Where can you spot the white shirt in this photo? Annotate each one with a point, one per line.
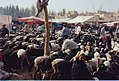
(77, 30)
(69, 44)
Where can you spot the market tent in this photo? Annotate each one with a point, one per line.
(115, 22)
(111, 23)
(7, 20)
(108, 24)
(31, 20)
(79, 19)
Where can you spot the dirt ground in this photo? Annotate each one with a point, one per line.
(21, 75)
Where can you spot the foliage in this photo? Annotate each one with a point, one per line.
(16, 11)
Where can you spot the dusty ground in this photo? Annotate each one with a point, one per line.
(21, 75)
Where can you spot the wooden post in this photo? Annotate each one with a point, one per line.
(47, 33)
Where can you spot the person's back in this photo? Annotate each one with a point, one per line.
(65, 32)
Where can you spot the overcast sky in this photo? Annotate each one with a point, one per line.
(79, 5)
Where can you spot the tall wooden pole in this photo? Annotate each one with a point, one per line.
(47, 33)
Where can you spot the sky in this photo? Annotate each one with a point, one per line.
(78, 5)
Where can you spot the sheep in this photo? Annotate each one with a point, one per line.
(56, 61)
(33, 51)
(21, 53)
(1, 65)
(55, 47)
(39, 65)
(61, 69)
(19, 56)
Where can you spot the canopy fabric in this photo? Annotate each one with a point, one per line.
(59, 20)
(108, 24)
(7, 20)
(111, 23)
(115, 22)
(79, 19)
(30, 20)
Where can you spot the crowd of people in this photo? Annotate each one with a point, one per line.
(86, 52)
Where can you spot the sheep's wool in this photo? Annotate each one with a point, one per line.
(39, 59)
(21, 53)
(56, 61)
(1, 65)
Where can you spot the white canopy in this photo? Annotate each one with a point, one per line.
(111, 23)
(58, 20)
(80, 19)
(108, 24)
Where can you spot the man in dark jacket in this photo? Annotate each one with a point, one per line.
(3, 31)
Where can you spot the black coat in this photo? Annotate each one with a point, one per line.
(3, 32)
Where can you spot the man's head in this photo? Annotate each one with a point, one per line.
(80, 56)
(65, 25)
(3, 25)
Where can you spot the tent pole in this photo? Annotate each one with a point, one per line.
(47, 33)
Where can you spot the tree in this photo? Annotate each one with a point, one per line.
(27, 12)
(6, 9)
(17, 11)
(21, 12)
(1, 10)
(33, 10)
(13, 11)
